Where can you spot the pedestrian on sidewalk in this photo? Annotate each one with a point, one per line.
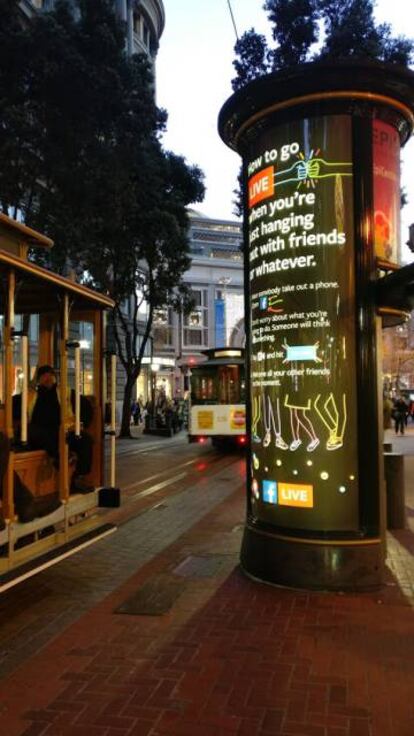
(136, 413)
(400, 414)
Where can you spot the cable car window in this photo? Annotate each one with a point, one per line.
(83, 333)
(33, 333)
(229, 384)
(204, 387)
(17, 362)
(28, 324)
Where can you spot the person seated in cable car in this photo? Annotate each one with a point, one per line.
(44, 423)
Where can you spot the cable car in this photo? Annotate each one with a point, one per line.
(217, 398)
(49, 320)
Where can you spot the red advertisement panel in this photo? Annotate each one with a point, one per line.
(386, 159)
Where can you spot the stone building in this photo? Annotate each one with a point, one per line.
(144, 21)
(216, 280)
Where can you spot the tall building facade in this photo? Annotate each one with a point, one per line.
(144, 22)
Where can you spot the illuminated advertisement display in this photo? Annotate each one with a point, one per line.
(387, 197)
(217, 420)
(304, 472)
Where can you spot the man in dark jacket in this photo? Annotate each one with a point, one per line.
(400, 414)
(44, 426)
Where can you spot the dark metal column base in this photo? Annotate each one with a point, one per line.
(312, 564)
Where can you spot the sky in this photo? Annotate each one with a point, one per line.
(194, 72)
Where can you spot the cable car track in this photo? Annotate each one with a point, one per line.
(150, 523)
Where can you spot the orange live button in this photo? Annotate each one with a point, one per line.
(261, 186)
(295, 494)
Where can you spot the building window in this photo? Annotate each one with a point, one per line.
(196, 323)
(142, 30)
(146, 35)
(162, 328)
(137, 24)
(161, 316)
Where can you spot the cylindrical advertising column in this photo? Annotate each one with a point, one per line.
(320, 147)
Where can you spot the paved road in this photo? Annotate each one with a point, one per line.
(168, 486)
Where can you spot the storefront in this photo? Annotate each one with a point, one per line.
(157, 374)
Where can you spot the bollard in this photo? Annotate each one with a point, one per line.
(394, 481)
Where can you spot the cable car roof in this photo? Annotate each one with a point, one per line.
(220, 356)
(224, 353)
(215, 362)
(43, 285)
(15, 231)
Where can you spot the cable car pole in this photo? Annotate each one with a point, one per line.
(77, 391)
(113, 419)
(8, 502)
(25, 387)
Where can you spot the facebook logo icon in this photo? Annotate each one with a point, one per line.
(270, 491)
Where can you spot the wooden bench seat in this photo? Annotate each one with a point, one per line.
(36, 471)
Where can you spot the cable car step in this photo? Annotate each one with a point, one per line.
(53, 556)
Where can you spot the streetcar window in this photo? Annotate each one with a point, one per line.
(29, 325)
(33, 331)
(223, 384)
(17, 365)
(229, 384)
(204, 387)
(82, 332)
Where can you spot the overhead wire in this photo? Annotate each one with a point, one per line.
(232, 18)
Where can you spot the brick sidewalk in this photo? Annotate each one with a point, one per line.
(40, 609)
(231, 657)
